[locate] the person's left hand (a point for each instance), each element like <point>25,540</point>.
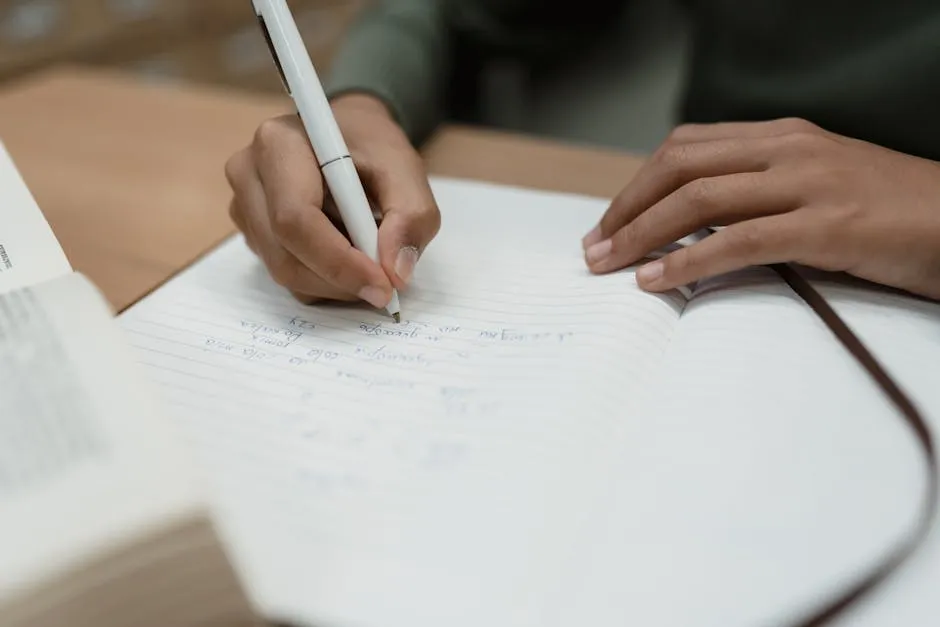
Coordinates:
<point>785,191</point>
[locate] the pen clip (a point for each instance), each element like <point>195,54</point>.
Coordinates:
<point>277,60</point>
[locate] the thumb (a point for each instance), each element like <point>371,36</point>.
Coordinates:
<point>410,220</point>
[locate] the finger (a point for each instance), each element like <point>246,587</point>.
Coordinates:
<point>309,299</point>
<point>284,267</point>
<point>239,170</point>
<point>332,212</point>
<point>294,191</point>
<point>235,214</point>
<point>687,133</point>
<point>674,166</point>
<point>411,218</point>
<point>697,151</point>
<point>774,239</point>
<point>702,203</point>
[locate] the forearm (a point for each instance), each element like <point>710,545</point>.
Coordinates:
<point>398,51</point>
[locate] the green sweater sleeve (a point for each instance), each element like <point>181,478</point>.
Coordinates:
<point>398,51</point>
<point>406,52</point>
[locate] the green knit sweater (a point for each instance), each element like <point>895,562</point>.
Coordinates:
<point>868,69</point>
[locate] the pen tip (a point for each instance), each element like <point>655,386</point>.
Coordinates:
<point>396,316</point>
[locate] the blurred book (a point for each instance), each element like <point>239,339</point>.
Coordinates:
<point>103,522</point>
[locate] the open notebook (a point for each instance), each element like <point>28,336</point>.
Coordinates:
<point>103,522</point>
<point>533,446</point>
<point>537,446</point>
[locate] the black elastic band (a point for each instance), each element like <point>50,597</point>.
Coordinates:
<point>911,415</point>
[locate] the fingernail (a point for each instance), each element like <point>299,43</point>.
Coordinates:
<point>598,252</point>
<point>650,273</point>
<point>374,296</point>
<point>406,262</point>
<point>591,238</point>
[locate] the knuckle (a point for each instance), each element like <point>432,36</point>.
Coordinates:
<point>286,222</point>
<point>381,176</point>
<point>419,214</point>
<point>269,132</point>
<point>333,269</point>
<point>819,247</point>
<point>822,182</point>
<point>235,168</point>
<point>747,240</point>
<point>672,156</point>
<point>797,125</point>
<point>672,167</point>
<point>607,226</point>
<point>231,170</point>
<point>627,238</point>
<point>806,144</point>
<point>612,217</point>
<point>360,155</point>
<point>677,263</point>
<point>306,299</point>
<point>814,174</point>
<point>283,270</point>
<point>802,139</point>
<point>234,213</point>
<point>698,195</point>
<point>680,133</point>
<point>842,217</point>
<point>432,219</point>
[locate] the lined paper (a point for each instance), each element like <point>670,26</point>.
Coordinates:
<point>367,473</point>
<point>360,447</point>
<point>788,472</point>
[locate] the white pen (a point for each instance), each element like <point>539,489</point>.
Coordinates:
<point>303,85</point>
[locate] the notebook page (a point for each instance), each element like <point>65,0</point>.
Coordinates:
<point>787,472</point>
<point>904,333</point>
<point>29,251</point>
<point>84,464</point>
<point>436,470</point>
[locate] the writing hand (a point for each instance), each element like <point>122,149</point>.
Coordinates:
<point>280,206</point>
<point>785,191</point>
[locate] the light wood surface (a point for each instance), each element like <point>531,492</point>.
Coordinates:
<point>130,175</point>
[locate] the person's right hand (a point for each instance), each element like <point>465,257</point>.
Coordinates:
<point>286,216</point>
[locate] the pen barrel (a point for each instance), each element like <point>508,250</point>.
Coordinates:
<point>316,114</point>
<point>301,80</point>
<point>353,205</point>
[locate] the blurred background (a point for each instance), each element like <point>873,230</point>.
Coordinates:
<point>622,93</point>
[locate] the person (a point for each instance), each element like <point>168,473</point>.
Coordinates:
<point>810,132</point>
